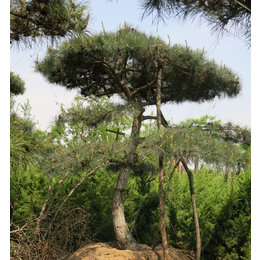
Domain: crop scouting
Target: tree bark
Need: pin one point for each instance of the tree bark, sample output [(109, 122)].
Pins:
[(238, 169), (165, 197), (196, 169), (180, 170), (195, 214), (123, 235), (229, 174), (161, 173)]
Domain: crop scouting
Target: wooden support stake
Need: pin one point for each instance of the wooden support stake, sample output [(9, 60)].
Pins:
[(115, 132)]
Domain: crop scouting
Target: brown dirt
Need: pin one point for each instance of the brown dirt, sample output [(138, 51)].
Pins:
[(108, 251)]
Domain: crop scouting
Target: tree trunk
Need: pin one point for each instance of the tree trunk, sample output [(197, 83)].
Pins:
[(180, 170), (161, 174), (162, 213), (195, 214), (196, 169), (123, 235), (238, 169), (229, 174)]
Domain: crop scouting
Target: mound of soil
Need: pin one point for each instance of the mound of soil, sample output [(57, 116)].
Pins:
[(108, 251)]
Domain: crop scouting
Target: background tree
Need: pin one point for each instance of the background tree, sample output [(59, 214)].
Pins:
[(24, 142), (126, 63), (218, 202), (223, 16), (229, 132), (35, 19), (16, 84), (180, 142), (205, 120)]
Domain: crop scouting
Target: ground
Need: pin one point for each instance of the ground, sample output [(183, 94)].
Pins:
[(109, 251)]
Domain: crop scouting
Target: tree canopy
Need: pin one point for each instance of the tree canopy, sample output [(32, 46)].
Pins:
[(126, 63), (16, 84), (35, 19), (223, 16)]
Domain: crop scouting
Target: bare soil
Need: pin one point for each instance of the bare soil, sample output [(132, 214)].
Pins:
[(109, 251)]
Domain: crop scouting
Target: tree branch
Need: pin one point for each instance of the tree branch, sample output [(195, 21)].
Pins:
[(163, 121), (116, 161), (168, 184), (243, 6), (194, 207), (143, 87), (44, 205), (57, 192), (149, 117), (120, 61)]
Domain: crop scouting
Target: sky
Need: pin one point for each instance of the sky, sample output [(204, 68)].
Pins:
[(43, 96)]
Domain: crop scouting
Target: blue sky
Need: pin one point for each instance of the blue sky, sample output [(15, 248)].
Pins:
[(231, 51)]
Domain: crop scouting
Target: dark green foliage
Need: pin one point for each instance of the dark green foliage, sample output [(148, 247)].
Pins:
[(27, 192), (78, 142), (232, 233), (96, 194), (223, 208), (224, 213), (231, 17), (126, 63), (71, 230), (35, 19), (145, 212), (207, 187), (16, 85)]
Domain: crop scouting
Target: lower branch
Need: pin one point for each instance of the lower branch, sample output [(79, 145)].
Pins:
[(56, 193), (163, 120), (170, 178), (44, 205)]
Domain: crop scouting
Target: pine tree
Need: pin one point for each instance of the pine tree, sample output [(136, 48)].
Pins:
[(16, 84), (223, 16), (229, 132), (127, 63), (37, 19)]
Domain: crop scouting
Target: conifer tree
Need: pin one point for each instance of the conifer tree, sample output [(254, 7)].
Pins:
[(16, 84), (126, 63), (223, 16), (228, 132), (190, 143), (38, 19), (24, 144)]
